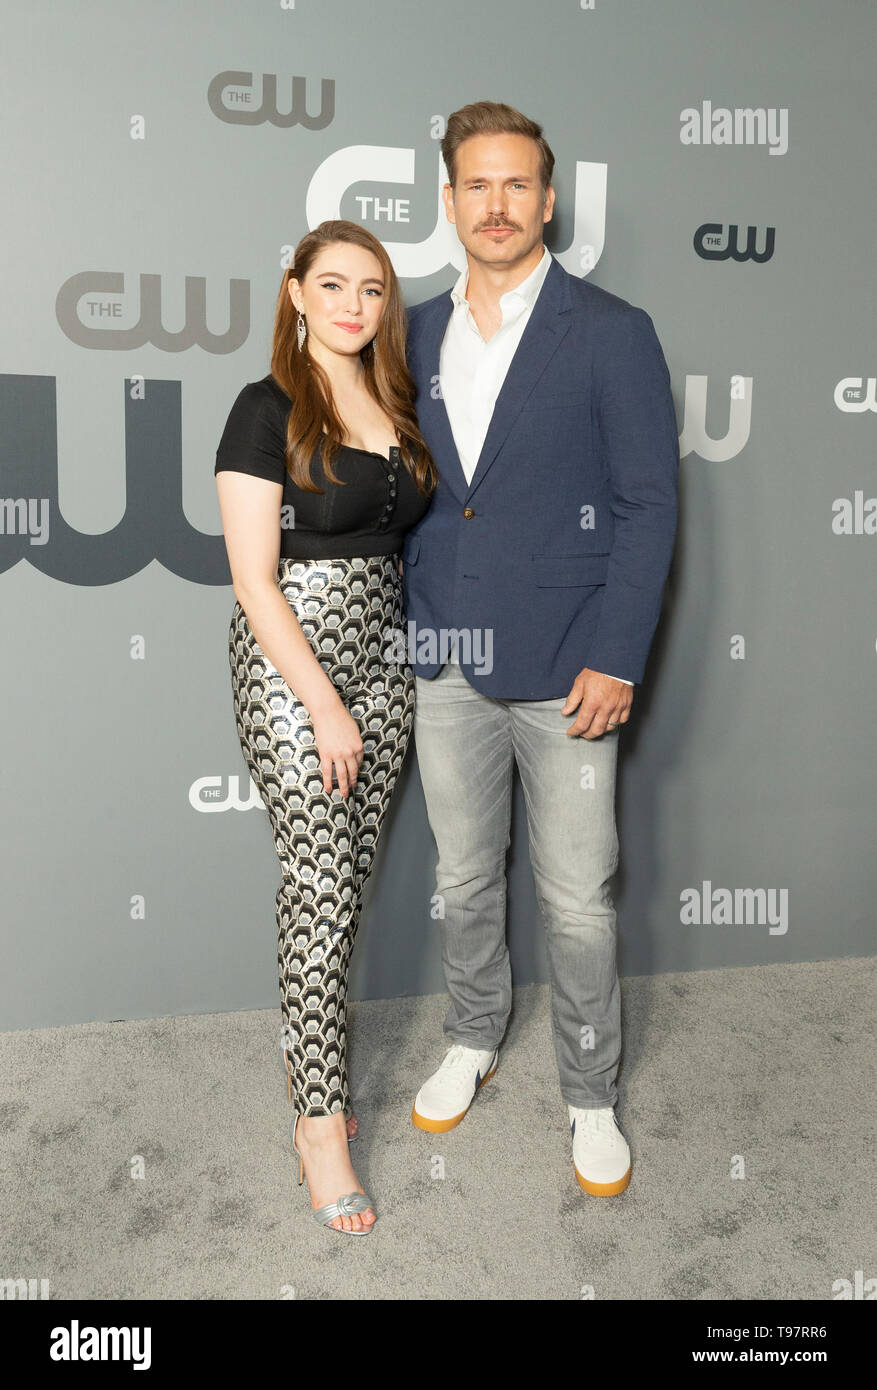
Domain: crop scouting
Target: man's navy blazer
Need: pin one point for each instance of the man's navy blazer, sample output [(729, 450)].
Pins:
[(559, 547)]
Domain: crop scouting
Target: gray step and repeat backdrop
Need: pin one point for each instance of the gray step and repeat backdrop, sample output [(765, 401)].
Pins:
[(161, 159)]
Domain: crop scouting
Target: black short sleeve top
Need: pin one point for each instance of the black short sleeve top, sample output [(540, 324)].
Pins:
[(369, 515)]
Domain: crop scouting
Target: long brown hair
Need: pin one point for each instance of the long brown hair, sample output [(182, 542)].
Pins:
[(313, 418)]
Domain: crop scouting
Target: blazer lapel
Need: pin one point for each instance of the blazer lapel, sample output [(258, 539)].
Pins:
[(545, 330), (541, 338), (432, 416)]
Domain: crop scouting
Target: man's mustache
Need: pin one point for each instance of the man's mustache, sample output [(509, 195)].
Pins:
[(491, 226)]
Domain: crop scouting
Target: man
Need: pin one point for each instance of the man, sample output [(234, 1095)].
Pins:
[(533, 586)]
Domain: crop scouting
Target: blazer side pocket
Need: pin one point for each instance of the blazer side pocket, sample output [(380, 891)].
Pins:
[(410, 550), (550, 571)]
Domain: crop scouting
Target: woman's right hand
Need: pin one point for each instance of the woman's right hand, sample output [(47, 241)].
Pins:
[(339, 744)]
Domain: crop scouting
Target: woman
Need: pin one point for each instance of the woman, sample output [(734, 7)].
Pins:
[(321, 470)]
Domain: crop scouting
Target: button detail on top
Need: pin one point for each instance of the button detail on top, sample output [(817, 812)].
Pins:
[(468, 512)]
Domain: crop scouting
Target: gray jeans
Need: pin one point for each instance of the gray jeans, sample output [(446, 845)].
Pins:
[(465, 743)]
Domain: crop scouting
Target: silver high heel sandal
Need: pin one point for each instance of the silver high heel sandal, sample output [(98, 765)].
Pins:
[(346, 1205), (350, 1137)]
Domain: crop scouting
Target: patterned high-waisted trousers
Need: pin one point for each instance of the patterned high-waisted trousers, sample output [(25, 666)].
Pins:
[(351, 613)]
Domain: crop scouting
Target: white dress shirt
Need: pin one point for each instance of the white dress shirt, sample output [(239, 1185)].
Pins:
[(472, 371)]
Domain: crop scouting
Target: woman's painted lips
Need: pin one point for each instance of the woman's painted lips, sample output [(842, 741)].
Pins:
[(350, 327)]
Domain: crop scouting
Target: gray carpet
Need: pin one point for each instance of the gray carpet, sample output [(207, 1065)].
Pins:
[(775, 1064)]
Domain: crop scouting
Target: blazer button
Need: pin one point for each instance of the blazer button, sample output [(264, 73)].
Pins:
[(468, 512)]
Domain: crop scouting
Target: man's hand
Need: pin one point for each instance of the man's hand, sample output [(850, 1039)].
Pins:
[(603, 703)]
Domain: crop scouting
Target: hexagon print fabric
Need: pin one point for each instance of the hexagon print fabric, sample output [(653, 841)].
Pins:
[(351, 612)]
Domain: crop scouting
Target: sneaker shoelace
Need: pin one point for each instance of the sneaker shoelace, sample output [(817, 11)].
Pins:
[(455, 1057), (603, 1121), (455, 1067)]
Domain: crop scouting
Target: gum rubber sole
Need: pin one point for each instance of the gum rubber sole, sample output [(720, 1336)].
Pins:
[(602, 1189), (442, 1126)]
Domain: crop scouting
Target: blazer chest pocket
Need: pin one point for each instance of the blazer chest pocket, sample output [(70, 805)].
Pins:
[(557, 400), (550, 571)]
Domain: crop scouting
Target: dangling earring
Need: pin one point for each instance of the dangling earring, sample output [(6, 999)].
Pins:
[(301, 329)]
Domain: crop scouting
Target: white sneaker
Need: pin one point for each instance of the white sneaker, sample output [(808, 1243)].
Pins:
[(443, 1100), (600, 1153)]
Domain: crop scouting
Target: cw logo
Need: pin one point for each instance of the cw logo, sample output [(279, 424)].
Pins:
[(694, 438), (853, 395), (355, 164), (206, 795), (149, 327), (236, 106), (154, 525), (712, 246)]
